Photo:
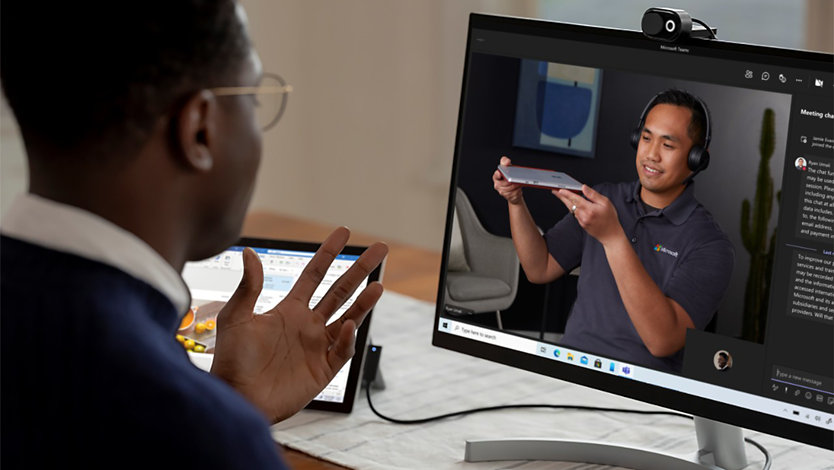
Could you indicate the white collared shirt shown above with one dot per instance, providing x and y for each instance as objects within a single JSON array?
[{"x": 69, "y": 229}]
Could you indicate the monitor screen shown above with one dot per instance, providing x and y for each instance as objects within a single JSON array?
[{"x": 695, "y": 270}]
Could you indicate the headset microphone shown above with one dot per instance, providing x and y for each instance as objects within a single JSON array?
[{"x": 690, "y": 177}]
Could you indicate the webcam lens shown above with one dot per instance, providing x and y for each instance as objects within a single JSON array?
[{"x": 652, "y": 23}]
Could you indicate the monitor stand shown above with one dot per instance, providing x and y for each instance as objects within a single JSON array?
[{"x": 721, "y": 447}]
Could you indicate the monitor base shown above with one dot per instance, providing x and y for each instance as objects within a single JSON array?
[{"x": 721, "y": 448}]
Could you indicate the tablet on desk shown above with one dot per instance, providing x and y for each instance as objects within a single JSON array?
[
  {"x": 212, "y": 282},
  {"x": 539, "y": 178}
]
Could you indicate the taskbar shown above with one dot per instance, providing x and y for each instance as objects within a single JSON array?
[{"x": 609, "y": 366}]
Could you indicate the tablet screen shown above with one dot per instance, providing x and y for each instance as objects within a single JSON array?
[{"x": 213, "y": 281}]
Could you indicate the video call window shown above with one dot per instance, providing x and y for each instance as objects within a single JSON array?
[{"x": 769, "y": 189}]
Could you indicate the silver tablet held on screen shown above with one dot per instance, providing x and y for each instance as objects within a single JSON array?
[{"x": 539, "y": 178}]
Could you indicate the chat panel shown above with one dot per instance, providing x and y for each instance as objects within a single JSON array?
[
  {"x": 816, "y": 209},
  {"x": 812, "y": 288}
]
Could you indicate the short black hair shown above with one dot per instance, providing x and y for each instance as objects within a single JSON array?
[
  {"x": 698, "y": 124},
  {"x": 94, "y": 76}
]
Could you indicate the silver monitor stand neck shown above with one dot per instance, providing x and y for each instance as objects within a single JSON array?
[{"x": 720, "y": 447}]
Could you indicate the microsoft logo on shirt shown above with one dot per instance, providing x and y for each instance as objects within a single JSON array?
[{"x": 662, "y": 249}]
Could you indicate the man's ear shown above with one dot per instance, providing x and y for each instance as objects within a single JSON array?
[{"x": 194, "y": 134}]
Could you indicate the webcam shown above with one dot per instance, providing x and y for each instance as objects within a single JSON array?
[{"x": 672, "y": 25}]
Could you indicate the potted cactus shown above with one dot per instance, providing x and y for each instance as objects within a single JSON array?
[{"x": 754, "y": 236}]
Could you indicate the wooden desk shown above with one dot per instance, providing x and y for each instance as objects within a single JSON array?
[{"x": 408, "y": 270}]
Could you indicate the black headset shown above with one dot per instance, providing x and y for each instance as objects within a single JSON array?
[{"x": 698, "y": 158}]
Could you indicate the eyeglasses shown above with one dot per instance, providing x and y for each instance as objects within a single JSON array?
[{"x": 270, "y": 98}]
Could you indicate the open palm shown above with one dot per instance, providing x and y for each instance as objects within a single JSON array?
[{"x": 283, "y": 358}]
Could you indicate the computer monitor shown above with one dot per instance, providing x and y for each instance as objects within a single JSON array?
[{"x": 728, "y": 314}]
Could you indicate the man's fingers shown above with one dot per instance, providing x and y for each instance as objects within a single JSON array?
[
  {"x": 566, "y": 197},
  {"x": 344, "y": 346},
  {"x": 241, "y": 305},
  {"x": 505, "y": 161},
  {"x": 357, "y": 312},
  {"x": 315, "y": 270},
  {"x": 498, "y": 177},
  {"x": 591, "y": 193},
  {"x": 346, "y": 285},
  {"x": 571, "y": 199}
]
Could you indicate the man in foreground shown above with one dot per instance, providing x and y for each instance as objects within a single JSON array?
[{"x": 143, "y": 147}]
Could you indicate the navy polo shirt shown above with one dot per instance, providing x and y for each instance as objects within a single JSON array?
[{"x": 681, "y": 247}]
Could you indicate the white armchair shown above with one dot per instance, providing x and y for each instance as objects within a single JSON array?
[{"x": 491, "y": 281}]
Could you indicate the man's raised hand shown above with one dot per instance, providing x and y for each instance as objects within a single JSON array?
[{"x": 283, "y": 358}]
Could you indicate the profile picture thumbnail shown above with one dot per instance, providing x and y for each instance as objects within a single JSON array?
[
  {"x": 722, "y": 360},
  {"x": 801, "y": 164}
]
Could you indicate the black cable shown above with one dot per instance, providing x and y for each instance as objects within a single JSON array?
[
  {"x": 711, "y": 32},
  {"x": 516, "y": 406},
  {"x": 762, "y": 449}
]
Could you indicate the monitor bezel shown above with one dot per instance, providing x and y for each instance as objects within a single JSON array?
[{"x": 630, "y": 388}]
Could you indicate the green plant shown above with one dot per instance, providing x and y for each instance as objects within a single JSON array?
[{"x": 754, "y": 223}]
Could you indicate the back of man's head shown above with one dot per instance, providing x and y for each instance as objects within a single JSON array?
[{"x": 92, "y": 78}]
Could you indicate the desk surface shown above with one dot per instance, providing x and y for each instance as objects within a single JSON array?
[{"x": 409, "y": 270}]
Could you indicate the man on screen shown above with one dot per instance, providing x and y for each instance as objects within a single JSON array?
[{"x": 654, "y": 262}]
